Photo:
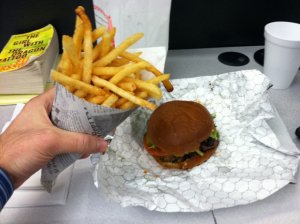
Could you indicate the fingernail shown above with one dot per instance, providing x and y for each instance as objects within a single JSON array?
[{"x": 101, "y": 145}]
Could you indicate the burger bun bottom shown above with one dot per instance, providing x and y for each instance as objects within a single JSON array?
[{"x": 188, "y": 163}]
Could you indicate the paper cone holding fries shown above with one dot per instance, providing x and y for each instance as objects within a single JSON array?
[
  {"x": 99, "y": 84},
  {"x": 72, "y": 113}
]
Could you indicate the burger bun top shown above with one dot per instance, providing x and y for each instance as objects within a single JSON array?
[{"x": 178, "y": 127}]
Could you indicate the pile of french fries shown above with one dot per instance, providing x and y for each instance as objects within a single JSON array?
[{"x": 92, "y": 68}]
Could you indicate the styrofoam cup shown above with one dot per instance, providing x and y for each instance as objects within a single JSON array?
[{"x": 282, "y": 53}]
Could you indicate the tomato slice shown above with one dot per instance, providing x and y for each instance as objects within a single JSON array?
[{"x": 153, "y": 151}]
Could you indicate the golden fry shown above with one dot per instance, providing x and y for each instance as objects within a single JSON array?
[
  {"x": 66, "y": 80},
  {"x": 127, "y": 105},
  {"x": 112, "y": 33},
  {"x": 69, "y": 48},
  {"x": 80, "y": 93},
  {"x": 75, "y": 76},
  {"x": 113, "y": 54},
  {"x": 106, "y": 77},
  {"x": 103, "y": 83},
  {"x": 142, "y": 94},
  {"x": 128, "y": 86},
  {"x": 137, "y": 75},
  {"x": 71, "y": 88},
  {"x": 103, "y": 47},
  {"x": 110, "y": 100},
  {"x": 145, "y": 86},
  {"x": 78, "y": 36},
  {"x": 96, "y": 99},
  {"x": 106, "y": 70},
  {"x": 98, "y": 32},
  {"x": 96, "y": 51},
  {"x": 159, "y": 79},
  {"x": 105, "y": 44},
  {"x": 108, "y": 42},
  {"x": 120, "y": 101},
  {"x": 128, "y": 79},
  {"x": 118, "y": 62},
  {"x": 87, "y": 45},
  {"x": 130, "y": 69},
  {"x": 130, "y": 56},
  {"x": 65, "y": 65},
  {"x": 152, "y": 89}
]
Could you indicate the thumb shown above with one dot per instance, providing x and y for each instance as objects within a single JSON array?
[{"x": 84, "y": 144}]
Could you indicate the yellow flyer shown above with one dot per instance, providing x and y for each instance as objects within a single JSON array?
[{"x": 22, "y": 47}]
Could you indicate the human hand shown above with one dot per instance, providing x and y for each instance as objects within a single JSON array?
[{"x": 31, "y": 140}]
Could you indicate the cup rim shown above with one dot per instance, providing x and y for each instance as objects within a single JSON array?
[{"x": 283, "y": 33}]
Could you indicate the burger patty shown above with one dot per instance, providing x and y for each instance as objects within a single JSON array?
[{"x": 206, "y": 145}]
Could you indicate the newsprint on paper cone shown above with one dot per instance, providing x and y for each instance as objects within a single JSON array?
[{"x": 74, "y": 114}]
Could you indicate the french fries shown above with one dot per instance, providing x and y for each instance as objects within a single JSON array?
[
  {"x": 92, "y": 68},
  {"x": 96, "y": 99},
  {"x": 109, "y": 71},
  {"x": 159, "y": 79},
  {"x": 128, "y": 86},
  {"x": 78, "y": 36},
  {"x": 70, "y": 50},
  {"x": 79, "y": 85},
  {"x": 87, "y": 45},
  {"x": 97, "y": 33},
  {"x": 131, "y": 68},
  {"x": 103, "y": 83},
  {"x": 113, "y": 54},
  {"x": 151, "y": 68},
  {"x": 110, "y": 100}
]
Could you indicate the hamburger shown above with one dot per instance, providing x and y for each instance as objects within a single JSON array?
[{"x": 181, "y": 134}]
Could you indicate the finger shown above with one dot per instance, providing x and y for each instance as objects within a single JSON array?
[
  {"x": 47, "y": 99},
  {"x": 84, "y": 144},
  {"x": 84, "y": 156},
  {"x": 39, "y": 107},
  {"x": 43, "y": 101}
]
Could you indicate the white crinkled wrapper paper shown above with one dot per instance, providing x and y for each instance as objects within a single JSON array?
[{"x": 247, "y": 166}]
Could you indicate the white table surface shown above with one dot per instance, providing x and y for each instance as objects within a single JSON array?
[{"x": 85, "y": 204}]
